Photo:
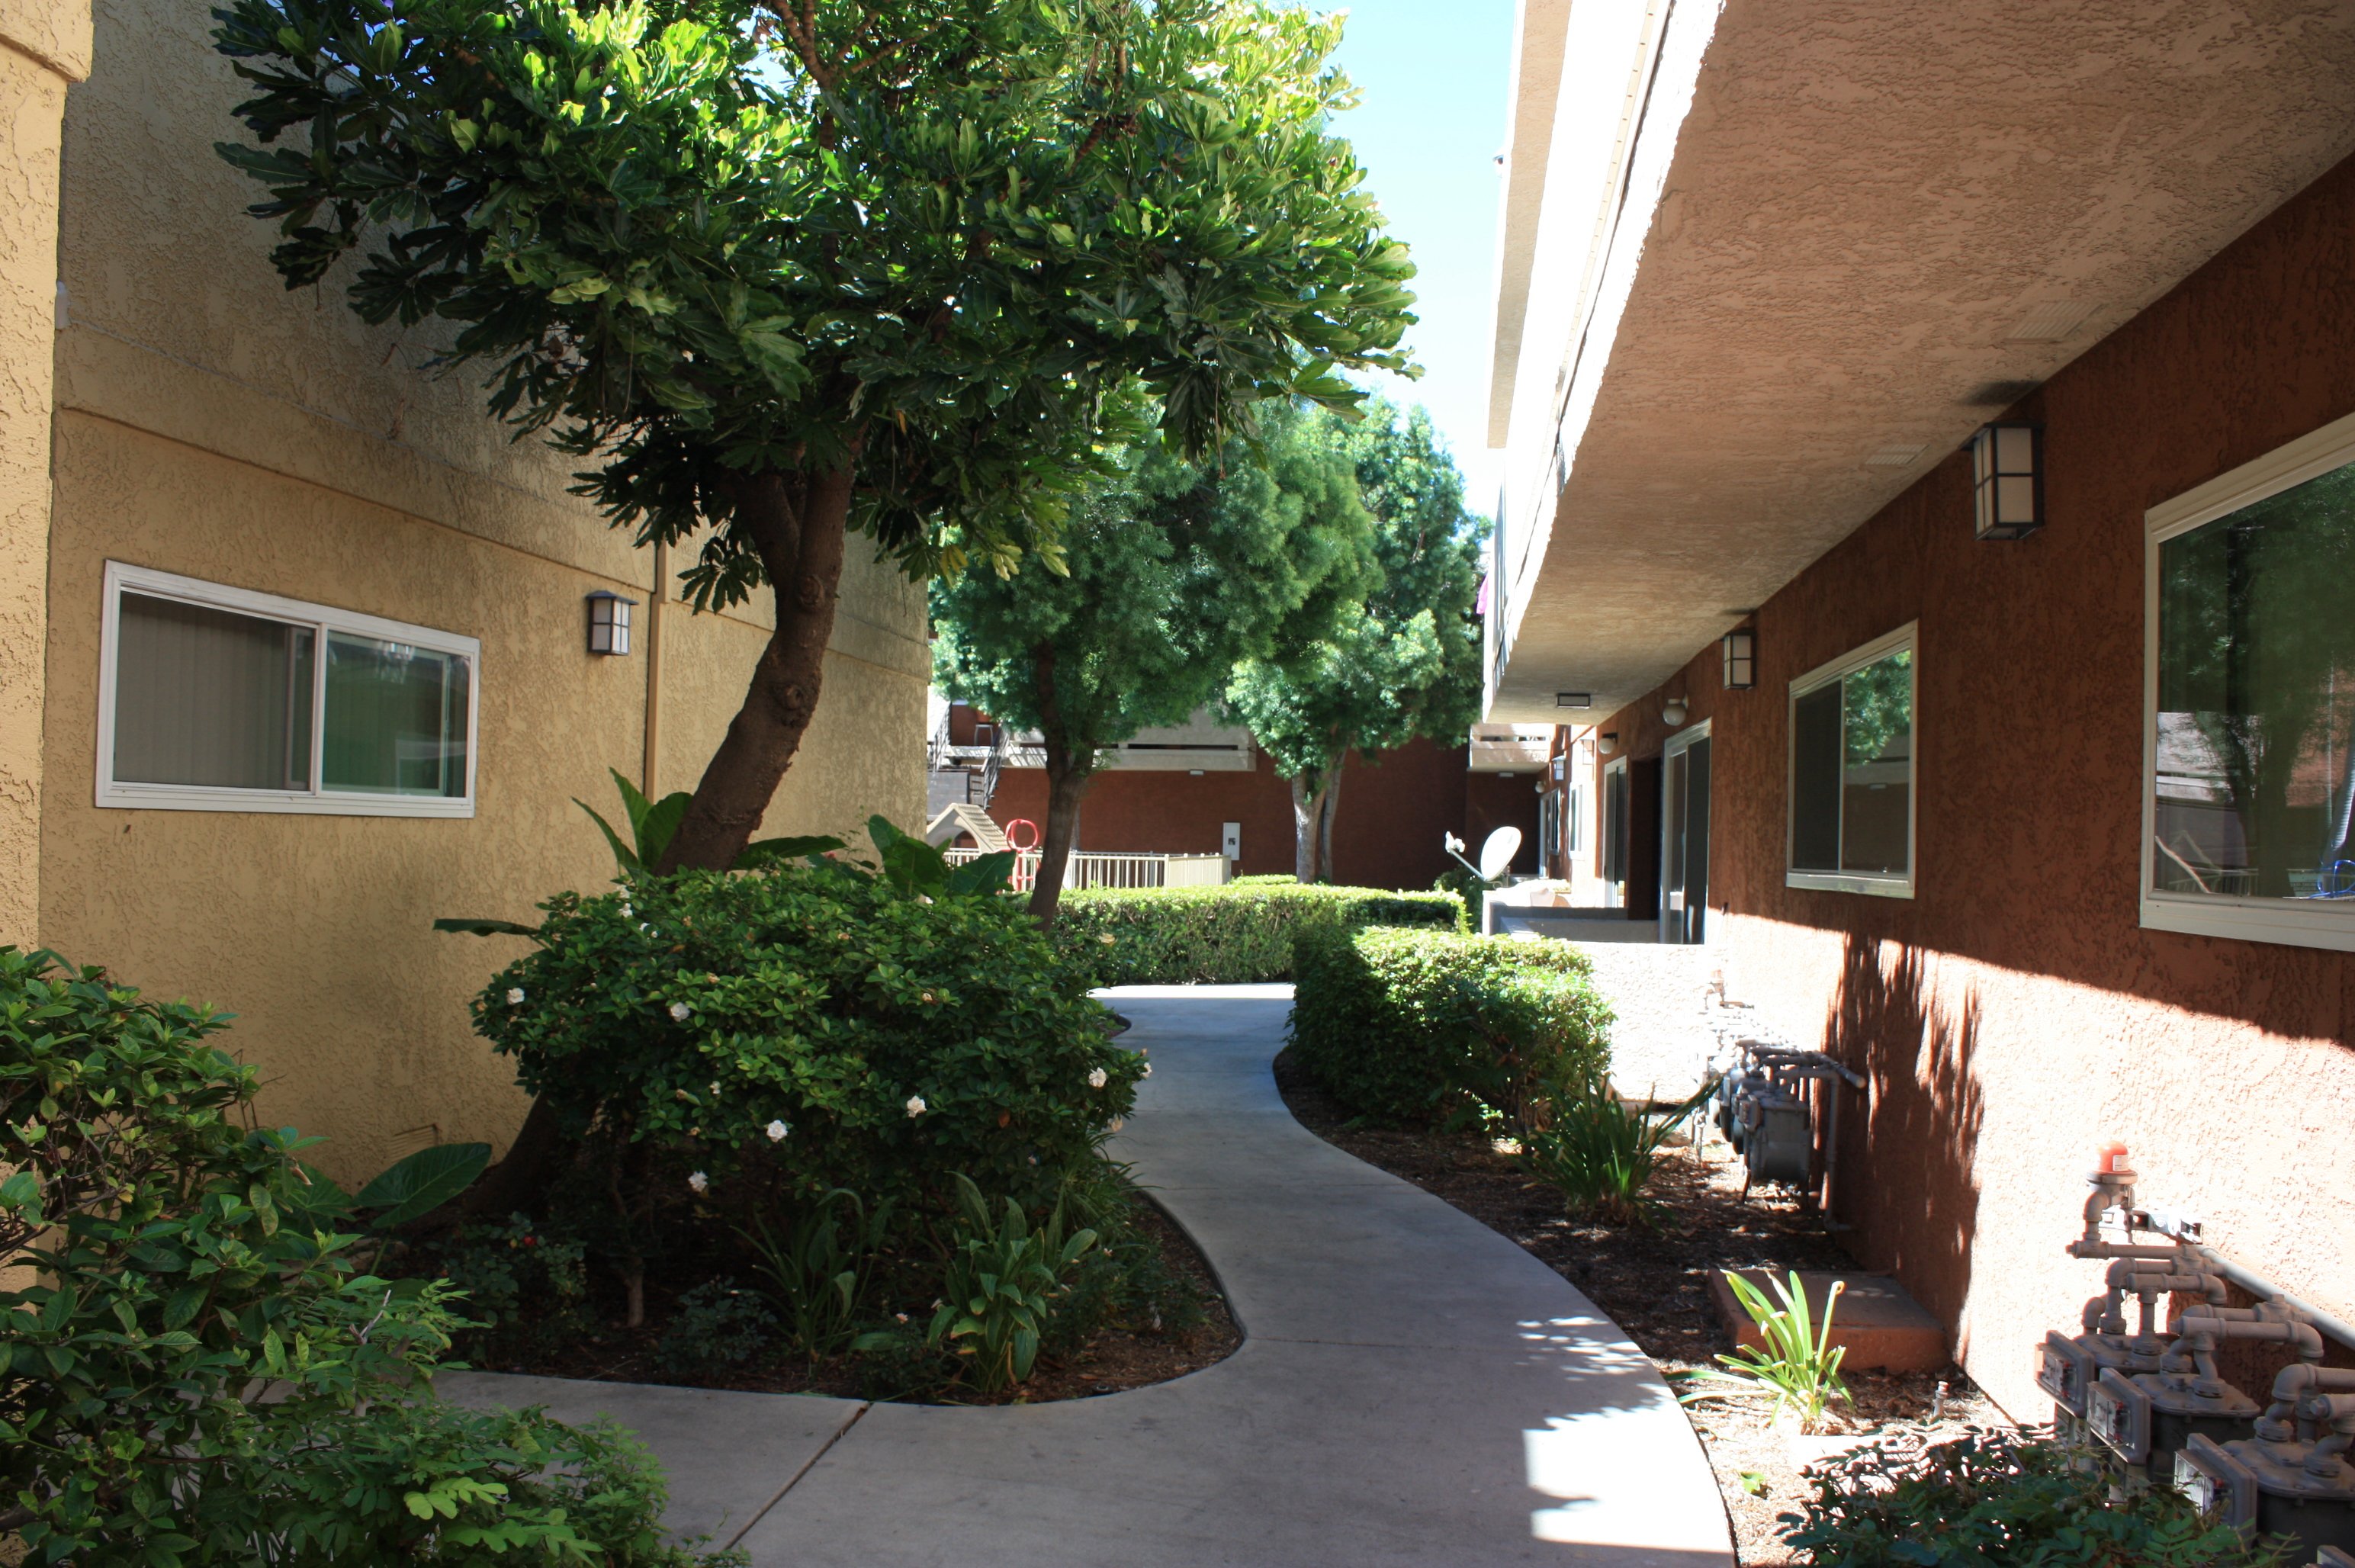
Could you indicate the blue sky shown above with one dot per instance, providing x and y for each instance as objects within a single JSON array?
[{"x": 1432, "y": 75}]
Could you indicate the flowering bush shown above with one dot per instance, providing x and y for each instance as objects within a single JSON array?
[
  {"x": 793, "y": 1031},
  {"x": 192, "y": 1369}
]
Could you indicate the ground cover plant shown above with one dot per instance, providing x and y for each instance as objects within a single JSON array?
[
  {"x": 1599, "y": 1152},
  {"x": 198, "y": 1364},
  {"x": 1238, "y": 934},
  {"x": 1796, "y": 1368},
  {"x": 1998, "y": 1497},
  {"x": 1421, "y": 1026}
]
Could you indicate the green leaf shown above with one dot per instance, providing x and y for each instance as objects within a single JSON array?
[
  {"x": 763, "y": 853},
  {"x": 624, "y": 854},
  {"x": 423, "y": 1182}
]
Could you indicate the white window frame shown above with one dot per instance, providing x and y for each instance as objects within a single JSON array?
[
  {"x": 1906, "y": 638},
  {"x": 2292, "y": 924},
  {"x": 321, "y": 620}
]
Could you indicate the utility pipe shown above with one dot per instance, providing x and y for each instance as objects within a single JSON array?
[{"x": 2258, "y": 1286}]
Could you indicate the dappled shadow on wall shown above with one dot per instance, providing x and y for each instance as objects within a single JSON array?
[{"x": 1909, "y": 1180}]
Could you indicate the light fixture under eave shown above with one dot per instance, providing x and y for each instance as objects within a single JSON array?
[
  {"x": 2008, "y": 481},
  {"x": 1673, "y": 713},
  {"x": 609, "y": 622},
  {"x": 1740, "y": 659},
  {"x": 1606, "y": 742},
  {"x": 1573, "y": 699}
]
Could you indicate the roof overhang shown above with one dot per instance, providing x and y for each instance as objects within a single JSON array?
[{"x": 1843, "y": 238}]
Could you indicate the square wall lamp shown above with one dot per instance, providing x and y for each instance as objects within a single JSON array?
[
  {"x": 1740, "y": 659},
  {"x": 2008, "y": 481},
  {"x": 609, "y": 622}
]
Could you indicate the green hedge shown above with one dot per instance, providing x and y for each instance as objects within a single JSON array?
[
  {"x": 1235, "y": 935},
  {"x": 1412, "y": 1025}
]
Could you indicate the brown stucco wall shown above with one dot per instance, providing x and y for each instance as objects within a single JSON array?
[
  {"x": 43, "y": 47},
  {"x": 210, "y": 423},
  {"x": 1393, "y": 812},
  {"x": 2014, "y": 1012}
]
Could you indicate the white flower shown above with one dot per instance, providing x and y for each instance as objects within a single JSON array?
[
  {"x": 1097, "y": 1079},
  {"x": 678, "y": 1011},
  {"x": 1148, "y": 1071},
  {"x": 915, "y": 1104},
  {"x": 715, "y": 1091},
  {"x": 700, "y": 1181},
  {"x": 1116, "y": 1125},
  {"x": 626, "y": 910},
  {"x": 777, "y": 1131},
  {"x": 514, "y": 996}
]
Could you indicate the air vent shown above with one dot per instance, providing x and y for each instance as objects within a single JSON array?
[
  {"x": 2050, "y": 322},
  {"x": 1895, "y": 456}
]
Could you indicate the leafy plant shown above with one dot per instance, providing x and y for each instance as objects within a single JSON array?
[
  {"x": 763, "y": 1040},
  {"x": 408, "y": 1189},
  {"x": 192, "y": 1371},
  {"x": 717, "y": 1325},
  {"x": 653, "y": 823},
  {"x": 1417, "y": 1026},
  {"x": 820, "y": 1281},
  {"x": 1599, "y": 1153},
  {"x": 1797, "y": 1368},
  {"x": 1994, "y": 1500},
  {"x": 1236, "y": 934},
  {"x": 501, "y": 1266},
  {"x": 1004, "y": 1279}
]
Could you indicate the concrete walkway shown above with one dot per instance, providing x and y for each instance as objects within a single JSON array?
[{"x": 1412, "y": 1388}]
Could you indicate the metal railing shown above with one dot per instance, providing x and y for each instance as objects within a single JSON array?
[{"x": 1091, "y": 869}]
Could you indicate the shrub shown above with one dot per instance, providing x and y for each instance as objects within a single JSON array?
[
  {"x": 1413, "y": 1024},
  {"x": 1236, "y": 934},
  {"x": 759, "y": 1040},
  {"x": 499, "y": 1267},
  {"x": 1004, "y": 1282},
  {"x": 167, "y": 1271},
  {"x": 1994, "y": 1498},
  {"x": 718, "y": 1325}
]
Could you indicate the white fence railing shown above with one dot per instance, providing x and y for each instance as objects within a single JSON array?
[{"x": 1090, "y": 870}]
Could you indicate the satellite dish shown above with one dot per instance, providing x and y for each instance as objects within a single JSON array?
[{"x": 1496, "y": 854}]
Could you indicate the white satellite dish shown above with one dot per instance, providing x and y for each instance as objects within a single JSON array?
[{"x": 1496, "y": 854}]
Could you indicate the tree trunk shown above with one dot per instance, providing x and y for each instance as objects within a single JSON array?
[
  {"x": 1069, "y": 770},
  {"x": 1327, "y": 809},
  {"x": 797, "y": 525},
  {"x": 1307, "y": 817}
]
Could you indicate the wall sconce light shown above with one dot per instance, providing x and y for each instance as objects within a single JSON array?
[
  {"x": 1741, "y": 660},
  {"x": 2008, "y": 481},
  {"x": 609, "y": 622},
  {"x": 1573, "y": 699},
  {"x": 1606, "y": 742},
  {"x": 1673, "y": 712}
]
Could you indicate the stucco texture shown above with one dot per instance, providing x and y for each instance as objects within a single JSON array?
[
  {"x": 210, "y": 423},
  {"x": 42, "y": 47},
  {"x": 2014, "y": 1012}
]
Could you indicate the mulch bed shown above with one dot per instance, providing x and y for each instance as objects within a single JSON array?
[
  {"x": 1111, "y": 1361},
  {"x": 1654, "y": 1283}
]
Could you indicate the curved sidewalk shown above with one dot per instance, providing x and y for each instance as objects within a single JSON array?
[{"x": 1412, "y": 1388}]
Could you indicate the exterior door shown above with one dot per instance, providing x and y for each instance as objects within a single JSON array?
[
  {"x": 1614, "y": 834},
  {"x": 1684, "y": 838}
]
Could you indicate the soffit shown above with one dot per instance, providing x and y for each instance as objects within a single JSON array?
[{"x": 1866, "y": 207}]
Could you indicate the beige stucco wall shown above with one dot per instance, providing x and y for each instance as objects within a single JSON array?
[
  {"x": 210, "y": 423},
  {"x": 43, "y": 45}
]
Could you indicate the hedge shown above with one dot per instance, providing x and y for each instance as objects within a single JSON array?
[
  {"x": 1231, "y": 935},
  {"x": 1411, "y": 1026}
]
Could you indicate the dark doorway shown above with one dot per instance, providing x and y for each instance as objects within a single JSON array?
[
  {"x": 1644, "y": 776},
  {"x": 1684, "y": 844}
]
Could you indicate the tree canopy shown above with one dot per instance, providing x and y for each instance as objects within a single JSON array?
[
  {"x": 1404, "y": 661},
  {"x": 776, "y": 270},
  {"x": 1175, "y": 572}
]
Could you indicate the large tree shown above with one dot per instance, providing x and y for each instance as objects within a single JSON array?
[
  {"x": 781, "y": 271},
  {"x": 1404, "y": 661},
  {"x": 1174, "y": 571},
  {"x": 784, "y": 269}
]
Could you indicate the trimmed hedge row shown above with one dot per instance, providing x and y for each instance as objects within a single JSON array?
[
  {"x": 1410, "y": 1026},
  {"x": 1236, "y": 934}
]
